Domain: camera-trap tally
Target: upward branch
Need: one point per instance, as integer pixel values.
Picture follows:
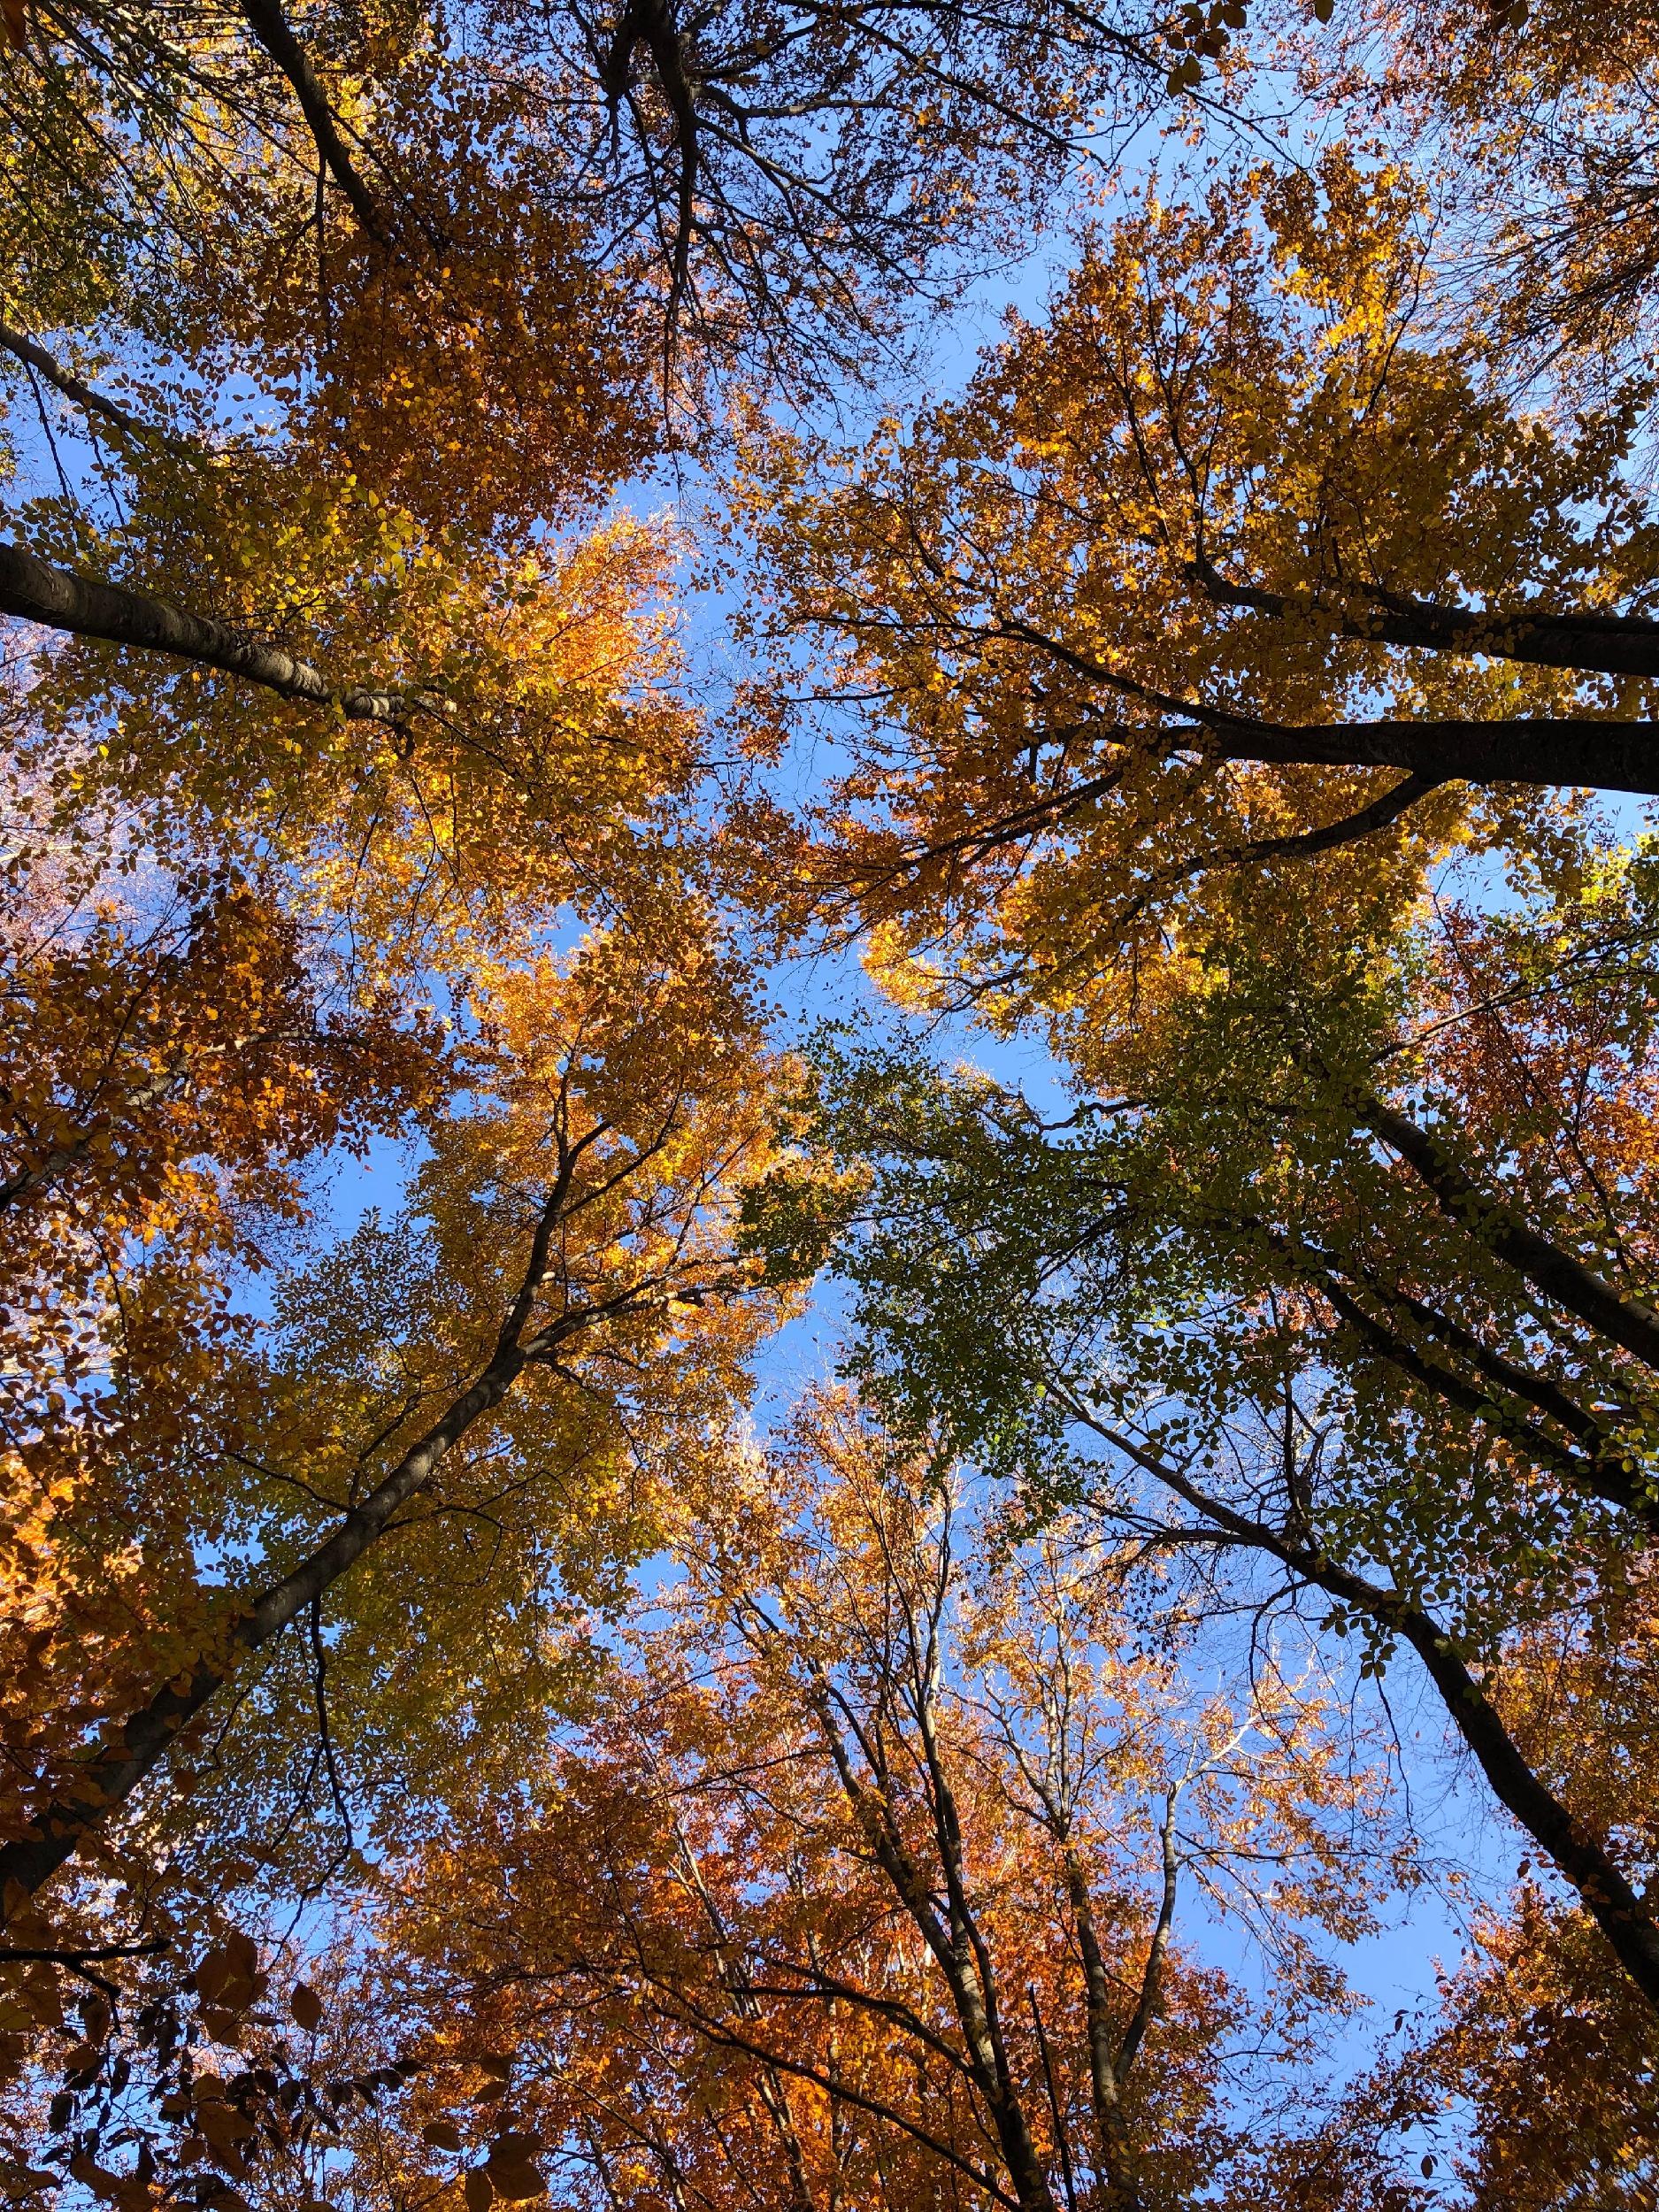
(95, 404)
(1628, 1321)
(270, 28)
(1602, 1886)
(107, 1780)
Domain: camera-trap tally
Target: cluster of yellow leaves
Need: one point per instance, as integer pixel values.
(1245, 432)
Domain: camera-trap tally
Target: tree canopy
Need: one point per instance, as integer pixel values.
(600, 773)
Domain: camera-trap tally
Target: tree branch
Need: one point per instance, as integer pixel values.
(270, 28)
(1605, 755)
(33, 590)
(1600, 644)
(1602, 1888)
(1627, 1321)
(1152, 1979)
(91, 402)
(106, 1780)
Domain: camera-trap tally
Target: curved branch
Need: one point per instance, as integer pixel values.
(107, 1779)
(1627, 1321)
(1601, 1888)
(1598, 644)
(82, 395)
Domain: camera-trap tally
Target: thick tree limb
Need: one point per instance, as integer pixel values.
(270, 28)
(1569, 750)
(1563, 1279)
(1598, 644)
(651, 24)
(34, 591)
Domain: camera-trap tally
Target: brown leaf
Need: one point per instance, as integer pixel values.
(442, 2135)
(510, 2143)
(243, 1953)
(307, 2008)
(224, 2126)
(478, 2191)
(229, 1976)
(38, 1994)
(512, 2170)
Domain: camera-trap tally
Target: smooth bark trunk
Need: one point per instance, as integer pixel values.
(34, 591)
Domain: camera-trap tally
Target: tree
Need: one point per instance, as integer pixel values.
(1107, 621)
(356, 800)
(339, 695)
(567, 1231)
(862, 1884)
(166, 1086)
(1328, 1358)
(1253, 505)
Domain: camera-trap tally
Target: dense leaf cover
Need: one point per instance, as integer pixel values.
(460, 1739)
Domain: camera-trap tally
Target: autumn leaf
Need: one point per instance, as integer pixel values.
(512, 2168)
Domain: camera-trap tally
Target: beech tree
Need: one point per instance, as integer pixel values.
(1360, 1350)
(869, 1886)
(1217, 680)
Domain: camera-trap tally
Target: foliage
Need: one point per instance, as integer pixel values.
(447, 1754)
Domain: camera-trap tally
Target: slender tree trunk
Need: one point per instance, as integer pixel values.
(270, 28)
(104, 1783)
(1603, 1889)
(1105, 2089)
